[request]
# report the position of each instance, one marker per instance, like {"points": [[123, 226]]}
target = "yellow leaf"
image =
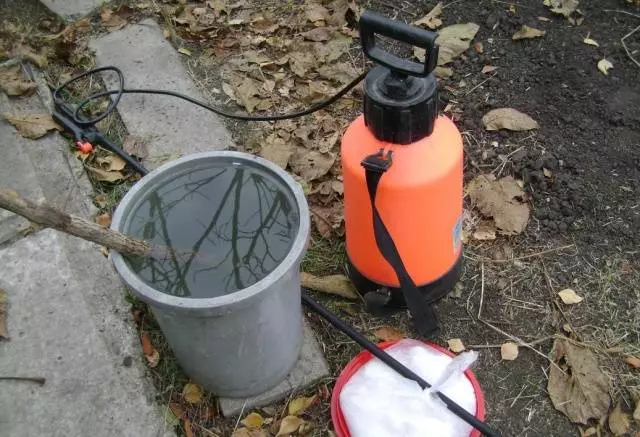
{"points": [[253, 420], [289, 425], [591, 42], [569, 297], [455, 345], [389, 333], [618, 421], [547, 173], [604, 65], [526, 32], [166, 33], [509, 351], [31, 126], [184, 51], [192, 393], [299, 405]]}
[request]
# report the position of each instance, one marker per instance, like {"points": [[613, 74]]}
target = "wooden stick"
{"points": [[49, 217]]}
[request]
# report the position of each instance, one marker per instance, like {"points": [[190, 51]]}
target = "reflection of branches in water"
{"points": [[172, 273]]}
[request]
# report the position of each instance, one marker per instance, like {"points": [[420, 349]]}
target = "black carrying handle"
{"points": [[372, 24]]}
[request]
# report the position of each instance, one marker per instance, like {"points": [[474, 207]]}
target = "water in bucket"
{"points": [[226, 227]]}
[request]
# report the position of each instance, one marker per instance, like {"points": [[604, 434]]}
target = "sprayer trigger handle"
{"points": [[372, 24]]}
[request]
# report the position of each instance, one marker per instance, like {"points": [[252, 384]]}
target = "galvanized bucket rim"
{"points": [[159, 299]]}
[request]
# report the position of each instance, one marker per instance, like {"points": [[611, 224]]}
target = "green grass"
{"points": [[325, 256]]}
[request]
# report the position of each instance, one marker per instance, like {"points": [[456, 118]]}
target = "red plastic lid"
{"points": [[339, 423]]}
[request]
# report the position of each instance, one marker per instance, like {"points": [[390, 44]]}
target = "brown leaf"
{"points": [[488, 69], [188, 431], [12, 82], [485, 231], [26, 52], [104, 220], [455, 345], [301, 62], [580, 390], [298, 406], [192, 393], [334, 284], [344, 12], [277, 150], [454, 40], [111, 20], [509, 351], [431, 20], [316, 13], [31, 126], [245, 432], [150, 352], [318, 34], [111, 163], [342, 72], [105, 176], [633, 362], [636, 412], [569, 297], [289, 425], [135, 146], [246, 93], [4, 333], [253, 421], [508, 118], [311, 164], [443, 72], [333, 49], [389, 333], [500, 200], [101, 200], [562, 7], [618, 421], [526, 32]]}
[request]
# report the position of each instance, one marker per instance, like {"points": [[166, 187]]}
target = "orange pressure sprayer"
{"points": [[402, 169]]}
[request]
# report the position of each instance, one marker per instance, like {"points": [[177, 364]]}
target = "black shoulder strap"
{"points": [[423, 315]]}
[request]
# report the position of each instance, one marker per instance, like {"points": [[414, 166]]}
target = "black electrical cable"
{"points": [[83, 121]]}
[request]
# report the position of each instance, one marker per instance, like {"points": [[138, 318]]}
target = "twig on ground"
{"points": [[480, 84], [531, 343], [621, 12], [481, 289], [626, 49], [240, 416], [531, 255], [37, 379]]}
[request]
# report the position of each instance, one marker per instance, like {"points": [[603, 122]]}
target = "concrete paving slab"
{"points": [[310, 369], [88, 389], [172, 127], [70, 10]]}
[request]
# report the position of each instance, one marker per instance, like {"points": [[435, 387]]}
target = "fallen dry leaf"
{"points": [[633, 362], [104, 220], [318, 34], [245, 432], [569, 297], [101, 200], [311, 164], [188, 431], [289, 425], [580, 390], [590, 41], [298, 406], [431, 20], [277, 150], [111, 162], [636, 412], [526, 32], [150, 352], [4, 333], [246, 92], [453, 41], [455, 345], [192, 393], [502, 200], [31, 126], [488, 69], [333, 284], [443, 72], [508, 118], [253, 421], [184, 51], [111, 20], [135, 146], [562, 7], [547, 173], [485, 231], [105, 176], [604, 65], [12, 82], [618, 421], [509, 351], [388, 333], [316, 13], [25, 52]]}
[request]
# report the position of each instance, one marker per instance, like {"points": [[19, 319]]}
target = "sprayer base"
{"points": [[432, 291]]}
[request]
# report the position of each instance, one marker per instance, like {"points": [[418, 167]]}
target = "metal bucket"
{"points": [[238, 344]]}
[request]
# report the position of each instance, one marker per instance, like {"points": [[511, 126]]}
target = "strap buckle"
{"points": [[378, 162]]}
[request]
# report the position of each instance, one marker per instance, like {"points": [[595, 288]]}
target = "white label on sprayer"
{"points": [[457, 234]]}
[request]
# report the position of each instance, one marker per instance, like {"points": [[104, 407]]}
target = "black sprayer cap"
{"points": [[400, 103]]}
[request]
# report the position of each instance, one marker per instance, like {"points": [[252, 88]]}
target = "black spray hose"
{"points": [[396, 365]]}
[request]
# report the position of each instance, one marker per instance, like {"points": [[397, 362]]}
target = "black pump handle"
{"points": [[372, 24]]}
